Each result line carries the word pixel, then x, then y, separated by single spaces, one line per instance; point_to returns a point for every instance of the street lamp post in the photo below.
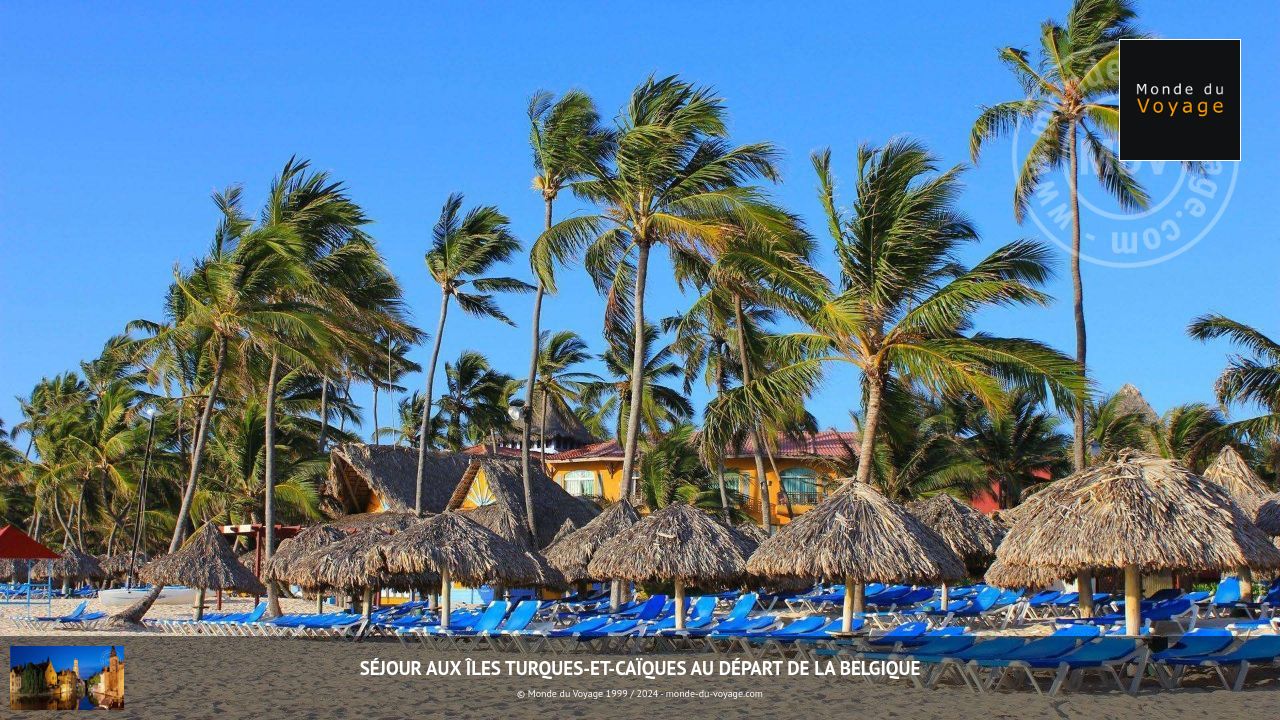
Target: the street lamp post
pixel 150 412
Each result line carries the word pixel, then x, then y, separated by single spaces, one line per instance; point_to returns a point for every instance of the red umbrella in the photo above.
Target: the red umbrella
pixel 17 545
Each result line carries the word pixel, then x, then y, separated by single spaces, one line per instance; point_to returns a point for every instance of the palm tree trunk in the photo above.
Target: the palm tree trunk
pixel 526 432
pixel 269 482
pixel 782 490
pixel 375 414
pixel 1077 287
pixel 426 404
pixel 744 361
pixel 133 614
pixel 872 416
pixel 724 493
pixel 197 453
pixel 324 411
pixel 637 373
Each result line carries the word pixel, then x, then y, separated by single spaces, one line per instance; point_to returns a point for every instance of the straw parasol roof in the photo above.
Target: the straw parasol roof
pixel 72 563
pixel 678 542
pixel 860 535
pixel 567 528
pixel 205 561
pixel 117 566
pixel 1268 517
pixel 1137 510
pixel 470 552
pixel 571 554
pixel 344 565
pixel 389 521
pixel 1004 575
pixel 970 534
pixel 504 522
pixel 15 570
pixel 291 550
pixel 1234 474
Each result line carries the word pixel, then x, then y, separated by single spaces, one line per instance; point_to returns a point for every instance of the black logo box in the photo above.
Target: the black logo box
pixel 1157 80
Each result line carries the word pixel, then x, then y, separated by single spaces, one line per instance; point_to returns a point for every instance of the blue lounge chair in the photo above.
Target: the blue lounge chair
pixel 492 616
pixel 1225 596
pixel 1059 643
pixel 521 616
pixel 1201 641
pixel 1103 655
pixel 531 640
pixel 786 644
pixel 1254 651
pixel 1180 611
pixel 941 663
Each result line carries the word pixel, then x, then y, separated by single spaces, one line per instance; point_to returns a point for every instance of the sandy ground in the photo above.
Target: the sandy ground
pixel 196 677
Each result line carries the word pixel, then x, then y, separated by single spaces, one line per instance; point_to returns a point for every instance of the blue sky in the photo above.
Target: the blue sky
pixel 116 126
pixel 92 657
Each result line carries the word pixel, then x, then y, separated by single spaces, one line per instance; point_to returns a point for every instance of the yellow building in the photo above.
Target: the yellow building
pixel 804 469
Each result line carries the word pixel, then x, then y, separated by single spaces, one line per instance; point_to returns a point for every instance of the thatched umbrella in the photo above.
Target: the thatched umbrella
pixel 205 562
pixel 678 543
pixel 1137 513
pixel 1234 474
pixel 117 566
pixel 390 521
pixel 567 528
pixel 291 550
pixel 458 549
pixel 344 566
pixel 72 564
pixel 571 554
pixel 861 536
pixel 1268 518
pixel 970 534
pixel 13 570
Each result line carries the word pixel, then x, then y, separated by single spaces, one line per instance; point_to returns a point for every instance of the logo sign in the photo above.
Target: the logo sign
pixel 1180 100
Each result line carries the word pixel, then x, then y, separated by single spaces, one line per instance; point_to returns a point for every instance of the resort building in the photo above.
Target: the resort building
pixel 799 474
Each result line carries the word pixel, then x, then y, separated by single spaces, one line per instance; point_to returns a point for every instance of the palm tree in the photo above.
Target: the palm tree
pixel 1112 425
pixel 568 141
pixel 1253 377
pixel 463 248
pixel 1078 72
pixel 1191 432
pixel 904 300
pixel 475 404
pixel 1018 443
pixel 385 371
pixel 662 407
pixel 675 182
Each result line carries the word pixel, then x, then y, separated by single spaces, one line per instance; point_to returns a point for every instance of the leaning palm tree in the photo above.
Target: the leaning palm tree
pixel 1069 93
pixel 568 141
pixel 674 183
pixel 464 248
pixel 903 300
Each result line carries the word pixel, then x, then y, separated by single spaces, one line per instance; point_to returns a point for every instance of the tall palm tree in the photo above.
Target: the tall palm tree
pixel 1252 377
pixel 384 372
pixel 463 248
pixel 568 141
pixel 675 182
pixel 1069 87
pixel 475 403
pixel 1192 433
pixel 903 301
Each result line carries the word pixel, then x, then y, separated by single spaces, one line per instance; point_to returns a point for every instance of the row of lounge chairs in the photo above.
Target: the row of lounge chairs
pixel 79 617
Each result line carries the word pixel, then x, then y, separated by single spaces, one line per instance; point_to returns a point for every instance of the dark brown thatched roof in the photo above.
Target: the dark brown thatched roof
pixel 859 535
pixel 567 528
pixel 344 565
pixel 1137 509
pixel 389 521
pixel 72 564
pixel 678 542
pixel 570 555
pixel 970 534
pixel 291 550
pixel 204 561
pixel 1234 474
pixel 1268 517
pixel 551 504
pixel 358 472
pixel 117 566
pixel 472 553
pixel 1129 401
pixel 560 423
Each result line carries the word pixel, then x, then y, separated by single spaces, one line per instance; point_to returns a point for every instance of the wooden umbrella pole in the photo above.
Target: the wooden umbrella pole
pixel 368 602
pixel 946 597
pixel 1246 584
pixel 847 623
pixel 679 605
pixel 200 605
pixel 859 596
pixel 445 587
pixel 319 603
pixel 1084 584
pixel 615 595
pixel 1132 600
